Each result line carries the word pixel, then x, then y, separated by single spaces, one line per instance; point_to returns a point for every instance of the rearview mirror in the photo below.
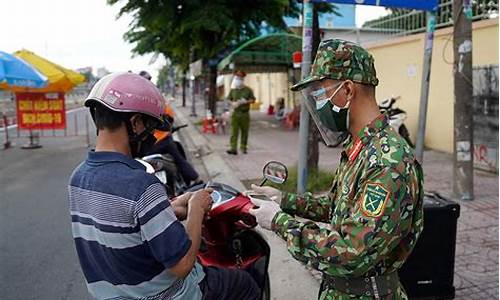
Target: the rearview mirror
pixel 275 172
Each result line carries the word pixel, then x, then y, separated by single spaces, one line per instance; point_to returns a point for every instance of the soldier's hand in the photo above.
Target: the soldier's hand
pixel 270 192
pixel 264 212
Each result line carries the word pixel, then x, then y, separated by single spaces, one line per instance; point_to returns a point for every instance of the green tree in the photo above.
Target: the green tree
pixel 163 77
pixel 202 27
pixel 185 31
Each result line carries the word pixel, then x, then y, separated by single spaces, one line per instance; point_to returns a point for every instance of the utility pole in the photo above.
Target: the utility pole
pixel 313 138
pixel 193 96
pixel 463 173
pixel 307 20
pixel 424 90
pixel 192 80
pixel 184 75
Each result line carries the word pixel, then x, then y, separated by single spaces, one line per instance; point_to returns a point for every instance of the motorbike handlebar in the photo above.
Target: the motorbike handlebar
pixel 175 128
pixel 246 217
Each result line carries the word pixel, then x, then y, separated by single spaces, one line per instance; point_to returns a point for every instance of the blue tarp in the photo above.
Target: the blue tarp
pixel 15 72
pixel 418 4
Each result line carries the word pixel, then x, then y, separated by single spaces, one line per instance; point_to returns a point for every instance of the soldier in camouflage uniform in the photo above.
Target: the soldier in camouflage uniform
pixel 374 208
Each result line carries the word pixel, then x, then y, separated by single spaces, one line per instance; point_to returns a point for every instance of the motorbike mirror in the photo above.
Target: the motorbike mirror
pixel 275 172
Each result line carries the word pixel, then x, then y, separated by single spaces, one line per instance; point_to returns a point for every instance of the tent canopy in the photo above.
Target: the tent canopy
pixel 59 78
pixel 268 53
pixel 15 72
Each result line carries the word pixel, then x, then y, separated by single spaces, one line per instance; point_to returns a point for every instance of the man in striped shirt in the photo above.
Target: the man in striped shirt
pixel 127 233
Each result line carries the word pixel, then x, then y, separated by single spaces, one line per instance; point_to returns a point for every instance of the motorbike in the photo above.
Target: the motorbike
pixel 229 238
pixel 397 117
pixel 229 235
pixel 164 165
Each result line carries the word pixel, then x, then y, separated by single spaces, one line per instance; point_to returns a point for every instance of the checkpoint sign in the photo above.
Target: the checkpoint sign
pixel 41 110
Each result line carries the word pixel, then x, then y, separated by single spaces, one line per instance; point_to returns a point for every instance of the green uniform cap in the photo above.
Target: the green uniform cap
pixel 340 60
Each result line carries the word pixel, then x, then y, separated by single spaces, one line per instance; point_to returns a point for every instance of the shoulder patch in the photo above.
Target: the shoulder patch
pixel 374 199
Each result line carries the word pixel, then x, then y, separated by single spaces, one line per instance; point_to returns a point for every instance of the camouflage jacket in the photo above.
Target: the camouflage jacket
pixel 374 210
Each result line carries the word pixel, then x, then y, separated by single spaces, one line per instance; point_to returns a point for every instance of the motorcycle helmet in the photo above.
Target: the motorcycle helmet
pixel 128 92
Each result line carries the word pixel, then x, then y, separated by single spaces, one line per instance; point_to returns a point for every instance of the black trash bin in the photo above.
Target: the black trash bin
pixel 428 272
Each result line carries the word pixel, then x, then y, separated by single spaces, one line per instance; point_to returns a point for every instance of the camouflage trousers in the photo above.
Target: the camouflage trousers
pixel 326 293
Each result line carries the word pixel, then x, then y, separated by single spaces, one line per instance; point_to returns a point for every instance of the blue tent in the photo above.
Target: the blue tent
pixel 15 72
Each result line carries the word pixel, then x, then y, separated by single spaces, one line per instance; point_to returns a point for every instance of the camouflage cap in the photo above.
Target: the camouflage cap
pixel 340 60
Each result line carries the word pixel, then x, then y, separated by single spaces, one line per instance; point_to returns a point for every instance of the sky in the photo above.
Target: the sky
pixel 77 34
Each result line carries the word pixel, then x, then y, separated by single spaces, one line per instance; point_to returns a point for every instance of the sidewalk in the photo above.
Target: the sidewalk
pixel 476 260
pixel 289 279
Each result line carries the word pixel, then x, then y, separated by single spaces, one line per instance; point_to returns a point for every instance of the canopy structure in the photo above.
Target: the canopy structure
pixel 59 78
pixel 15 72
pixel 268 53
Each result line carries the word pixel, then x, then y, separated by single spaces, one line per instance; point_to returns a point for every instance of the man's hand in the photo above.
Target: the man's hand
pixel 239 103
pixel 180 205
pixel 270 192
pixel 265 212
pixel 200 203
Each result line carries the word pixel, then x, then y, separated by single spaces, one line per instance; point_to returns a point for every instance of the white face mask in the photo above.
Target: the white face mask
pixel 237 82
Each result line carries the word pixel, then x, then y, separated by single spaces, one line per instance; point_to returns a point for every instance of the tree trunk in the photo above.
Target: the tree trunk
pixel 212 92
pixel 312 142
pixel 184 90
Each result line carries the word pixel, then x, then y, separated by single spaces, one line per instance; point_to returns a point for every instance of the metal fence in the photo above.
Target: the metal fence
pixel 78 121
pixel 402 22
pixel 405 21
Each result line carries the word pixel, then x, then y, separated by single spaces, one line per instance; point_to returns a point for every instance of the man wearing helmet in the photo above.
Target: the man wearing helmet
pixel 375 204
pixel 127 233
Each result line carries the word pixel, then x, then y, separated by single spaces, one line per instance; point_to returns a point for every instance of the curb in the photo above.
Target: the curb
pixel 216 167
pixel 289 278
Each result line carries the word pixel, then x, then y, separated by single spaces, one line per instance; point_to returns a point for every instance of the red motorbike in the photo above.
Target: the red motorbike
pixel 229 238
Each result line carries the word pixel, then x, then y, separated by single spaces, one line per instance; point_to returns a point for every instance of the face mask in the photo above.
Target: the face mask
pixel 331 116
pixel 140 144
pixel 237 82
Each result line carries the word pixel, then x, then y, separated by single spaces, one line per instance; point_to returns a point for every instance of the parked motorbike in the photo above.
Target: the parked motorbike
pixel 397 117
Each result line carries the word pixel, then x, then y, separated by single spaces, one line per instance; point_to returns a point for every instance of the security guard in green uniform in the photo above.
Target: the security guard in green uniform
pixel 241 97
pixel 374 208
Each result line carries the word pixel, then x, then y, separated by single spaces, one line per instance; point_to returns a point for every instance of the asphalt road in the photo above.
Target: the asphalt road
pixel 37 255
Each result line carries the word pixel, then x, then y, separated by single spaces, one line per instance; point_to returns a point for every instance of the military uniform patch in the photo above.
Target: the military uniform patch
pixel 374 198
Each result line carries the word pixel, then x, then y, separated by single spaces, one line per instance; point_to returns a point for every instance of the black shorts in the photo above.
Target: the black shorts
pixel 228 284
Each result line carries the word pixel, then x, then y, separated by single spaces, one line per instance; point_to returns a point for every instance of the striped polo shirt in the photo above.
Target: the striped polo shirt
pixel 126 233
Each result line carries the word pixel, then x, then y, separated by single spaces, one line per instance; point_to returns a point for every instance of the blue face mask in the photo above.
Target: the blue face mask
pixel 331 116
